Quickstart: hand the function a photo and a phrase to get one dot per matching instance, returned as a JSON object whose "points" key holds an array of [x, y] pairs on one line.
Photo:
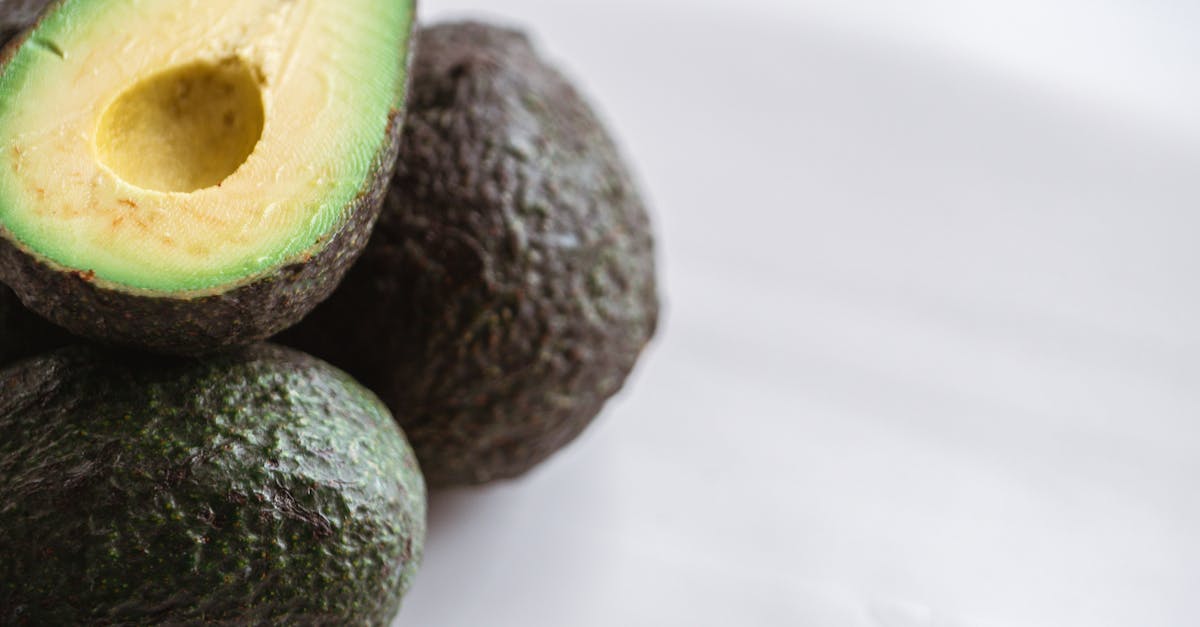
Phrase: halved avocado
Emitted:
{"points": [[184, 176]]}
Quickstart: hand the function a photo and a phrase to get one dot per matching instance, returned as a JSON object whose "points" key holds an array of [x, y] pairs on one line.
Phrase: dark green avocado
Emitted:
{"points": [[509, 287], [257, 487], [24, 333], [186, 202]]}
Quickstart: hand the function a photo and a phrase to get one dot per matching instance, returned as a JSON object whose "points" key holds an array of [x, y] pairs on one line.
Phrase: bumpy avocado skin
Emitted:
{"points": [[509, 286], [258, 487], [193, 324], [24, 333]]}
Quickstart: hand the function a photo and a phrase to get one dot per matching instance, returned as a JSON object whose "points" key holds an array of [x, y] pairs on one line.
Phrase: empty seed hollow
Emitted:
{"points": [[184, 129]]}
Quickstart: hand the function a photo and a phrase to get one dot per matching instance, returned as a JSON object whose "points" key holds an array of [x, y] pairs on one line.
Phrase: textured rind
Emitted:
{"points": [[192, 324], [258, 487], [24, 333], [509, 286]]}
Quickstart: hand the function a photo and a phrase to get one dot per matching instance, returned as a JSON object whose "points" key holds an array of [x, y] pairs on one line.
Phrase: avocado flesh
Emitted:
{"points": [[186, 150], [258, 487], [509, 286]]}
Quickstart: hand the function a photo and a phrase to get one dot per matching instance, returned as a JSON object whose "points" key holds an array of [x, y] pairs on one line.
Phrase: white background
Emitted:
{"points": [[931, 352]]}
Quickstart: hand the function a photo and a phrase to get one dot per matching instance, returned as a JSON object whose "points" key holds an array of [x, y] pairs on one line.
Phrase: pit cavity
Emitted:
{"points": [[184, 129]]}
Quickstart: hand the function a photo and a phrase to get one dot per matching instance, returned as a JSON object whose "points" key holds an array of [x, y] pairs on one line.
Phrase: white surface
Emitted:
{"points": [[932, 344]]}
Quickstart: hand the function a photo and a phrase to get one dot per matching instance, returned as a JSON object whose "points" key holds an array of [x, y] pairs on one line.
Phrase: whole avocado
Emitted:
{"points": [[509, 287], [257, 487], [24, 333]]}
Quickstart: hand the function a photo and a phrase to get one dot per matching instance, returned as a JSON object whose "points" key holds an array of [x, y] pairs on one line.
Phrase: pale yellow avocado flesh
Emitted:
{"points": [[186, 145]]}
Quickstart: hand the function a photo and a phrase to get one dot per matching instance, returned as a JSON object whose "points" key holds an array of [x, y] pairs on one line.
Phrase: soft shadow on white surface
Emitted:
{"points": [[930, 357]]}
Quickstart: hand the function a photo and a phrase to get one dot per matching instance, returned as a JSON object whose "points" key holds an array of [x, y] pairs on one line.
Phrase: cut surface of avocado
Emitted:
{"points": [[185, 146]]}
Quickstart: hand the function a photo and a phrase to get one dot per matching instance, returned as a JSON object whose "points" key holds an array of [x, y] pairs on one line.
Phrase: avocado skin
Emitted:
{"points": [[17, 15], [509, 286], [258, 487], [24, 333], [203, 322]]}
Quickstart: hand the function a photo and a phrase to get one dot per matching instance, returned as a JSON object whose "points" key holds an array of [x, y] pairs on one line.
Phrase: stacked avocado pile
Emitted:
{"points": [[179, 181]]}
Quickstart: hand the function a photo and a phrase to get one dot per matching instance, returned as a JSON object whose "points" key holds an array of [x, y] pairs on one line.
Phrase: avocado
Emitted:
{"points": [[17, 15], [509, 286], [257, 487], [24, 333], [187, 176]]}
